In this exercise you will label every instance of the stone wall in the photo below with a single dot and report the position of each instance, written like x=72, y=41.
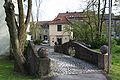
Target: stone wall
x=82, y=52
x=38, y=62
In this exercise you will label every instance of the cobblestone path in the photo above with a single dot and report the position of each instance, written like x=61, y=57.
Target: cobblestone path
x=66, y=65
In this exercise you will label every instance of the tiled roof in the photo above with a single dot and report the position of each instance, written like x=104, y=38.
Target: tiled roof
x=64, y=18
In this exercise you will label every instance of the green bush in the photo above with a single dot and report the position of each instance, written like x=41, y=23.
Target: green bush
x=113, y=42
x=118, y=41
x=97, y=43
x=26, y=43
x=38, y=42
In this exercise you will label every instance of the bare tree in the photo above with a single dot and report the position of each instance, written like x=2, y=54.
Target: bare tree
x=100, y=6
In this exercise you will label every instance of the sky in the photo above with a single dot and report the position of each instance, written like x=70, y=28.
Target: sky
x=50, y=8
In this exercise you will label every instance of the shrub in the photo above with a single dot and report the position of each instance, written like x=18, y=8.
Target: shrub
x=97, y=43
x=113, y=42
x=118, y=41
x=38, y=42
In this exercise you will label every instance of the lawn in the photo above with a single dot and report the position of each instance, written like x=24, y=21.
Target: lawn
x=115, y=67
x=115, y=64
x=7, y=73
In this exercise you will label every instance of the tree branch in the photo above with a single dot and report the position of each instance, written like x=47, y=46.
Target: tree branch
x=102, y=17
x=21, y=12
x=28, y=12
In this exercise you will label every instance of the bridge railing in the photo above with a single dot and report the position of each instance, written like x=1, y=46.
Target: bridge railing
x=83, y=52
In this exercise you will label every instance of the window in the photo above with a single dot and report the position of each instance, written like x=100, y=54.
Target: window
x=59, y=27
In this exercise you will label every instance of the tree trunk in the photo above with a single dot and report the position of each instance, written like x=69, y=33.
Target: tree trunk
x=23, y=25
x=10, y=19
x=18, y=33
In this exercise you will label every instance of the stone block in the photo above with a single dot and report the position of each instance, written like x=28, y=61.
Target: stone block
x=43, y=52
x=104, y=49
x=44, y=66
x=103, y=61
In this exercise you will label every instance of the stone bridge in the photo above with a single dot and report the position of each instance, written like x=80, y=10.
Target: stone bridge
x=65, y=67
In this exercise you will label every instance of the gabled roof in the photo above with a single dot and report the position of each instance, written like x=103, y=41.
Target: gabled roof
x=65, y=18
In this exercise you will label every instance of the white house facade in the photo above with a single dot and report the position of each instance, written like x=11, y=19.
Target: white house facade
x=57, y=34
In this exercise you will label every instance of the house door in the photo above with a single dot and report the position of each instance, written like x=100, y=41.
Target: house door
x=45, y=37
x=59, y=40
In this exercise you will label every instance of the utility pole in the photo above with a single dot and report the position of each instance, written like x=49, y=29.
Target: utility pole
x=109, y=36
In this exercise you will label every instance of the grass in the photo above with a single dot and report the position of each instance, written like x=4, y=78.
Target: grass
x=115, y=64
x=115, y=67
x=7, y=73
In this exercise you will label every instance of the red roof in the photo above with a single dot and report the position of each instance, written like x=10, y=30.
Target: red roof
x=64, y=18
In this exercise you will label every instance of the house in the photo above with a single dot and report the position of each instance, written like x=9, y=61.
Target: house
x=44, y=33
x=40, y=30
x=115, y=23
x=56, y=27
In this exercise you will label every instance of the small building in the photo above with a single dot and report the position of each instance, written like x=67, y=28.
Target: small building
x=115, y=24
x=44, y=33
x=57, y=26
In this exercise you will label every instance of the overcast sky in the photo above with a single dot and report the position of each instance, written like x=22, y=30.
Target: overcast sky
x=50, y=8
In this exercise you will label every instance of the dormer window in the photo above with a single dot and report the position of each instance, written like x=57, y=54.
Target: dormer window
x=59, y=27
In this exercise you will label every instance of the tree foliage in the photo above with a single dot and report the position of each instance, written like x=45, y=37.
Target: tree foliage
x=92, y=27
x=99, y=7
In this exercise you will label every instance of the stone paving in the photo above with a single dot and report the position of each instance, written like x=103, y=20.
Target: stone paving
x=65, y=67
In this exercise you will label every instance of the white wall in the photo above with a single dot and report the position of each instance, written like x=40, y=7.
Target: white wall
x=4, y=35
x=53, y=30
x=54, y=34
